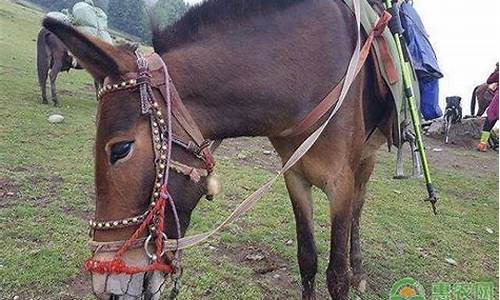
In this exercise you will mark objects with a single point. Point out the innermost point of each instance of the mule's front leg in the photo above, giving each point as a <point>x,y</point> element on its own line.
<point>340,194</point>
<point>300,194</point>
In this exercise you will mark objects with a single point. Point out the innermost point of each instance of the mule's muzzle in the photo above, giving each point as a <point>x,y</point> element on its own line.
<point>125,286</point>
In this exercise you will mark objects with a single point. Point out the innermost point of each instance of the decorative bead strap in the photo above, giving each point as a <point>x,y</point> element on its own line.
<point>132,83</point>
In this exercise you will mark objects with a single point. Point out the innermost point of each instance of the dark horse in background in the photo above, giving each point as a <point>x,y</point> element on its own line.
<point>244,68</point>
<point>52,57</point>
<point>482,95</point>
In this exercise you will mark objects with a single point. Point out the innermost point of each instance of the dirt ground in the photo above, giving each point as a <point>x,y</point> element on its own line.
<point>258,152</point>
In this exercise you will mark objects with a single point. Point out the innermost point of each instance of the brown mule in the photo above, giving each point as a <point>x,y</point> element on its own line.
<point>242,68</point>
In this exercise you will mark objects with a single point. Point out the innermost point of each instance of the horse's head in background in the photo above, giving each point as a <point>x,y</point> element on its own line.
<point>132,156</point>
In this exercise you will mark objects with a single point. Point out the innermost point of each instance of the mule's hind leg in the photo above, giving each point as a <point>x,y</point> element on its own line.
<point>340,192</point>
<point>359,280</point>
<point>54,71</point>
<point>300,194</point>
<point>43,87</point>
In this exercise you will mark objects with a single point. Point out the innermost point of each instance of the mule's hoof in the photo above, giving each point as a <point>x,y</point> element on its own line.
<point>359,282</point>
<point>308,296</point>
<point>400,177</point>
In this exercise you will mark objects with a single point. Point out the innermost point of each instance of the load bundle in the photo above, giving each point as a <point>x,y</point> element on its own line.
<point>91,20</point>
<point>62,16</point>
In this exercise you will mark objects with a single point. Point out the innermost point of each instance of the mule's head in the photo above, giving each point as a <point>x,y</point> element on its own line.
<point>126,172</point>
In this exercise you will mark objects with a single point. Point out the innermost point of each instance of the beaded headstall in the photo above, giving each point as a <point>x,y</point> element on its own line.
<point>152,219</point>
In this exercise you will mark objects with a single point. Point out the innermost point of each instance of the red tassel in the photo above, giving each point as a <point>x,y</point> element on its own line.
<point>118,266</point>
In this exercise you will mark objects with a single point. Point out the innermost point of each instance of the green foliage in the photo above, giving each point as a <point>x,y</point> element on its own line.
<point>129,16</point>
<point>167,12</point>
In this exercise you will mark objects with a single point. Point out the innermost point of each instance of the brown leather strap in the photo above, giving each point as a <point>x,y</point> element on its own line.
<point>179,110</point>
<point>332,98</point>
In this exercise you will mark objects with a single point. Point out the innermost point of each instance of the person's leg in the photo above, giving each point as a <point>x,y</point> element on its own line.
<point>492,118</point>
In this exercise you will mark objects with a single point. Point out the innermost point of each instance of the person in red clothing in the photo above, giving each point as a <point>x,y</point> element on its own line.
<point>491,113</point>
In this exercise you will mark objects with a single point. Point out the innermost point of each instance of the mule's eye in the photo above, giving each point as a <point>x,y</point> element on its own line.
<point>120,150</point>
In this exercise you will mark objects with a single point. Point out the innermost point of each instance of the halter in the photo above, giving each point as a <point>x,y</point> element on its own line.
<point>153,74</point>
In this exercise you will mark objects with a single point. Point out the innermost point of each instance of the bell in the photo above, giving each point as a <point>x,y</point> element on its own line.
<point>214,187</point>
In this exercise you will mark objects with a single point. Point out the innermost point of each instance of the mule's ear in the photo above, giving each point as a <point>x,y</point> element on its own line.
<point>99,58</point>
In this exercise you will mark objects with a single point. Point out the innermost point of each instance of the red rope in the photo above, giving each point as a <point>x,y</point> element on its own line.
<point>118,266</point>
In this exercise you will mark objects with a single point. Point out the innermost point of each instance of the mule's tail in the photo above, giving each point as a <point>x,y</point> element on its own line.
<point>473,102</point>
<point>42,61</point>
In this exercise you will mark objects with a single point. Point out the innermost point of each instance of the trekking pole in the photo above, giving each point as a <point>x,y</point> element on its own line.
<point>397,31</point>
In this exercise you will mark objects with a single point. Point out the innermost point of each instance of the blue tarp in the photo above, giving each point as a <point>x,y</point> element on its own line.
<point>424,61</point>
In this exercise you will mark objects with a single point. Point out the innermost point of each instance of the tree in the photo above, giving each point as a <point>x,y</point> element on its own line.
<point>167,12</point>
<point>129,16</point>
<point>57,5</point>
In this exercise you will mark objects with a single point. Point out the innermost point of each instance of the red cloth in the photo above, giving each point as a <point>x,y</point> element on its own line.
<point>492,111</point>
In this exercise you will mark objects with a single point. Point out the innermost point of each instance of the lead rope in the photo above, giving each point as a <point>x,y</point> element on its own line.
<point>177,272</point>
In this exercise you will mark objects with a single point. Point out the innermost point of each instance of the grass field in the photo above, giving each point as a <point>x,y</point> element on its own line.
<point>46,195</point>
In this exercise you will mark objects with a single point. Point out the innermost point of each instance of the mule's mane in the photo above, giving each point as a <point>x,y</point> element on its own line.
<point>211,12</point>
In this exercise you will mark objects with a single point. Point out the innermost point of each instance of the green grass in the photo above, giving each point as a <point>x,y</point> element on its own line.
<point>50,170</point>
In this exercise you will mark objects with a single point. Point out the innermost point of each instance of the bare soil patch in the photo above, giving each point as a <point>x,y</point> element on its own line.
<point>272,272</point>
<point>259,153</point>
<point>77,288</point>
<point>8,192</point>
<point>249,151</point>
<point>458,157</point>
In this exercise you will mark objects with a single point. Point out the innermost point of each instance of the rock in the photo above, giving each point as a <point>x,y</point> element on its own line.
<point>466,133</point>
<point>10,194</point>
<point>254,257</point>
<point>241,156</point>
<point>54,119</point>
<point>437,150</point>
<point>267,152</point>
<point>422,252</point>
<point>16,298</point>
<point>289,242</point>
<point>276,276</point>
<point>489,230</point>
<point>451,261</point>
<point>397,192</point>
